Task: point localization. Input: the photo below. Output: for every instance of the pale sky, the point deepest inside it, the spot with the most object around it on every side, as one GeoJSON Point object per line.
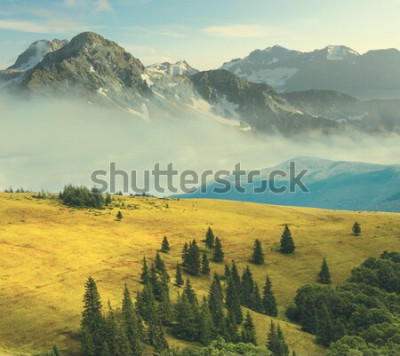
{"type": "Point", "coordinates": [206, 33]}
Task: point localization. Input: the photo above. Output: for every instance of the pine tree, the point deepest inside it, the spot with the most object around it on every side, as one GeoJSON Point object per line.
{"type": "Point", "coordinates": [227, 272]}
{"type": "Point", "coordinates": [256, 300]}
{"type": "Point", "coordinates": [235, 276]}
{"type": "Point", "coordinates": [108, 199]}
{"type": "Point", "coordinates": [119, 215]}
{"type": "Point", "coordinates": [205, 324]}
{"type": "Point", "coordinates": [157, 336]}
{"type": "Point", "coordinates": [269, 301]}
{"type": "Point", "coordinates": [178, 276]}
{"type": "Point", "coordinates": [272, 340]}
{"type": "Point", "coordinates": [247, 288]}
{"type": "Point", "coordinates": [232, 301]}
{"type": "Point", "coordinates": [283, 348]}
{"type": "Point", "coordinates": [248, 334]}
{"type": "Point", "coordinates": [131, 324]}
{"type": "Point", "coordinates": [287, 244]}
{"type": "Point", "coordinates": [145, 303]}
{"type": "Point", "coordinates": [144, 277]}
{"type": "Point", "coordinates": [160, 266]}
{"type": "Point", "coordinates": [165, 245]}
{"type": "Point", "coordinates": [190, 293]}
{"type": "Point", "coordinates": [230, 333]}
{"type": "Point", "coordinates": [218, 255]}
{"type": "Point", "coordinates": [356, 229]}
{"type": "Point", "coordinates": [185, 253]}
{"type": "Point", "coordinates": [258, 255]}
{"type": "Point", "coordinates": [116, 336]}
{"type": "Point", "coordinates": [192, 263]}
{"type": "Point", "coordinates": [92, 322]}
{"type": "Point", "coordinates": [205, 264]}
{"type": "Point", "coordinates": [215, 303]}
{"type": "Point", "coordinates": [308, 315]}
{"type": "Point", "coordinates": [186, 323]}
{"type": "Point", "coordinates": [210, 238]}
{"type": "Point", "coordinates": [324, 276]}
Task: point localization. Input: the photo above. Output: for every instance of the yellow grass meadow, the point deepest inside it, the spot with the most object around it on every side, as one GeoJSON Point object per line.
{"type": "Point", "coordinates": [48, 250]}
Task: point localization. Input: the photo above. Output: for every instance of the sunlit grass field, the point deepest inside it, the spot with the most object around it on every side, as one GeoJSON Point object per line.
{"type": "Point", "coordinates": [47, 251]}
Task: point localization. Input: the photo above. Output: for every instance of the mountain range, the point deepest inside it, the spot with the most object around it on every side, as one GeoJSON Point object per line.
{"type": "Point", "coordinates": [375, 74]}
{"type": "Point", "coordinates": [98, 71]}
{"type": "Point", "coordinates": [330, 184]}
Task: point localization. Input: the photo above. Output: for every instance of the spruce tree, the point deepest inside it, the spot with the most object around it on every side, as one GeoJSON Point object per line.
{"type": "Point", "coordinates": [165, 245]}
{"type": "Point", "coordinates": [210, 238]}
{"type": "Point", "coordinates": [119, 215]}
{"type": "Point", "coordinates": [215, 303]}
{"type": "Point", "coordinates": [256, 300]}
{"type": "Point", "coordinates": [287, 244]}
{"type": "Point", "coordinates": [356, 229]}
{"type": "Point", "coordinates": [205, 324]}
{"type": "Point", "coordinates": [185, 253]}
{"type": "Point", "coordinates": [272, 340]}
{"type": "Point", "coordinates": [193, 263]}
{"type": "Point", "coordinates": [186, 319]}
{"type": "Point", "coordinates": [258, 255]}
{"type": "Point", "coordinates": [205, 264]}
{"type": "Point", "coordinates": [247, 288]}
{"type": "Point", "coordinates": [248, 334]}
{"type": "Point", "coordinates": [145, 303]}
{"type": "Point", "coordinates": [283, 349]}
{"type": "Point", "coordinates": [235, 276]}
{"type": "Point", "coordinates": [227, 272]}
{"type": "Point", "coordinates": [131, 322]}
{"type": "Point", "coordinates": [308, 315]}
{"type": "Point", "coordinates": [232, 301]}
{"type": "Point", "coordinates": [92, 322]}
{"type": "Point", "coordinates": [230, 333]}
{"type": "Point", "coordinates": [144, 277]}
{"type": "Point", "coordinates": [269, 301]}
{"type": "Point", "coordinates": [190, 293]}
{"type": "Point", "coordinates": [178, 276]}
{"type": "Point", "coordinates": [157, 336]}
{"type": "Point", "coordinates": [160, 266]}
{"type": "Point", "coordinates": [218, 255]}
{"type": "Point", "coordinates": [324, 276]}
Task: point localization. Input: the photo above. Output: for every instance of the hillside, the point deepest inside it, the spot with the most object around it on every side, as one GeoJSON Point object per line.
{"type": "Point", "coordinates": [49, 250]}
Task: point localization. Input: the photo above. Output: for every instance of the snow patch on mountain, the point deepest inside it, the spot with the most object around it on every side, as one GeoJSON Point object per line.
{"type": "Point", "coordinates": [178, 68]}
{"type": "Point", "coordinates": [338, 53]}
{"type": "Point", "coordinates": [276, 77]}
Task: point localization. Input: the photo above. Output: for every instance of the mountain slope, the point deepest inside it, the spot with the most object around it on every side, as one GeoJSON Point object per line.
{"type": "Point", "coordinates": [49, 250]}
{"type": "Point", "coordinates": [178, 68]}
{"type": "Point", "coordinates": [330, 184]}
{"type": "Point", "coordinates": [375, 74]}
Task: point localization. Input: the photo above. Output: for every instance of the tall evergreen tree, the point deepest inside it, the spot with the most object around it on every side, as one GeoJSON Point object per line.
{"type": "Point", "coordinates": [247, 288]}
{"type": "Point", "coordinates": [356, 229]}
{"type": "Point", "coordinates": [131, 322]}
{"type": "Point", "coordinates": [215, 303]}
{"type": "Point", "coordinates": [227, 272]}
{"type": "Point", "coordinates": [190, 293]}
{"type": "Point", "coordinates": [248, 334]}
{"type": "Point", "coordinates": [144, 277]}
{"type": "Point", "coordinates": [256, 300]}
{"type": "Point", "coordinates": [160, 266]}
{"type": "Point", "coordinates": [186, 323]}
{"type": "Point", "coordinates": [218, 255]}
{"type": "Point", "coordinates": [185, 252]}
{"type": "Point", "coordinates": [287, 244]}
{"type": "Point", "coordinates": [258, 254]}
{"type": "Point", "coordinates": [272, 340]}
{"type": "Point", "coordinates": [210, 238]}
{"type": "Point", "coordinates": [269, 301]}
{"type": "Point", "coordinates": [145, 303]}
{"type": "Point", "coordinates": [118, 340]}
{"type": "Point", "coordinates": [232, 301]}
{"type": "Point", "coordinates": [92, 323]}
{"type": "Point", "coordinates": [205, 324]}
{"type": "Point", "coordinates": [157, 336]}
{"type": "Point", "coordinates": [283, 348]}
{"type": "Point", "coordinates": [235, 276]}
{"type": "Point", "coordinates": [205, 264]}
{"type": "Point", "coordinates": [324, 276]}
{"type": "Point", "coordinates": [165, 245]}
{"type": "Point", "coordinates": [191, 256]}
{"type": "Point", "coordinates": [230, 333]}
{"type": "Point", "coordinates": [308, 316]}
{"type": "Point", "coordinates": [178, 276]}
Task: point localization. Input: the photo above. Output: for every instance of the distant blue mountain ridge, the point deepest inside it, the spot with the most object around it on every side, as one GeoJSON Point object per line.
{"type": "Point", "coordinates": [330, 184]}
